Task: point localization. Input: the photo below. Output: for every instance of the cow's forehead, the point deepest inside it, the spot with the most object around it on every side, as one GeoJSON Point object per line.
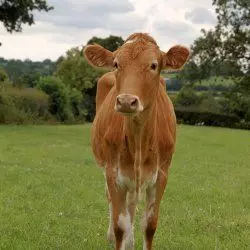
{"type": "Point", "coordinates": [143, 36]}
{"type": "Point", "coordinates": [135, 48]}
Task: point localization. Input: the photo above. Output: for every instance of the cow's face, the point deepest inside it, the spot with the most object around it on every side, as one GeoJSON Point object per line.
{"type": "Point", "coordinates": [137, 65]}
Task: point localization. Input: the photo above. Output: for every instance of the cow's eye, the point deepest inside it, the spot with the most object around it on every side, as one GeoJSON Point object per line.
{"type": "Point", "coordinates": [154, 66]}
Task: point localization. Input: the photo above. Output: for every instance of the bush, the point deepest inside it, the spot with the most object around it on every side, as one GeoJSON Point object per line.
{"type": "Point", "coordinates": [59, 104]}
{"type": "Point", "coordinates": [187, 97]}
{"type": "Point", "coordinates": [195, 116]}
{"type": "Point", "coordinates": [23, 105]}
{"type": "Point", "coordinates": [76, 102]}
{"type": "Point", "coordinates": [209, 103]}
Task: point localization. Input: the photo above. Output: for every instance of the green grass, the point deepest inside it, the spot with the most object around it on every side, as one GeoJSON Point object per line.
{"type": "Point", "coordinates": [52, 193]}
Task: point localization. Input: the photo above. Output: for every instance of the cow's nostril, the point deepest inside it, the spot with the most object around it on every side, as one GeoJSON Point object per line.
{"type": "Point", "coordinates": [134, 103]}
{"type": "Point", "coordinates": [118, 102]}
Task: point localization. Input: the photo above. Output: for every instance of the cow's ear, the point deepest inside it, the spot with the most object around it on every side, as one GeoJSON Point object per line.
{"type": "Point", "coordinates": [98, 56]}
{"type": "Point", "coordinates": [176, 57]}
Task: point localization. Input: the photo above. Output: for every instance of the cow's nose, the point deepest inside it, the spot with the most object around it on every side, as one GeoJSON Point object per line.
{"type": "Point", "coordinates": [126, 103]}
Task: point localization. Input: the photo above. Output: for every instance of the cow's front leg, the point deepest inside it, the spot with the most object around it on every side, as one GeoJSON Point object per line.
{"type": "Point", "coordinates": [119, 214]}
{"type": "Point", "coordinates": [110, 233]}
{"type": "Point", "coordinates": [131, 205]}
{"type": "Point", "coordinates": [153, 198]}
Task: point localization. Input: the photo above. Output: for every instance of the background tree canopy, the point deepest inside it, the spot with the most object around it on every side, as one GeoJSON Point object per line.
{"type": "Point", "coordinates": [14, 13]}
{"type": "Point", "coordinates": [111, 43]}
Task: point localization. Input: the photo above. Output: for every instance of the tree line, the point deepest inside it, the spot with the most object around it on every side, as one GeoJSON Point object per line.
{"type": "Point", "coordinates": [61, 91]}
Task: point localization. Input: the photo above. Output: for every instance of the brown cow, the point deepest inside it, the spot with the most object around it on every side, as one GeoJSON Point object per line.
{"type": "Point", "coordinates": [134, 131]}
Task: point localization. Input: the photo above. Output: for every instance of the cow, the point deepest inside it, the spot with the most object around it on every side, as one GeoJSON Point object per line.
{"type": "Point", "coordinates": [133, 134]}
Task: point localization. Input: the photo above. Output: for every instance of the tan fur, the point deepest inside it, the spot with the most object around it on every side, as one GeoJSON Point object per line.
{"type": "Point", "coordinates": [136, 146]}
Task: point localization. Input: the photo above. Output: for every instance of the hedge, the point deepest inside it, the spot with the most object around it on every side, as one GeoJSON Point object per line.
{"type": "Point", "coordinates": [198, 117]}
{"type": "Point", "coordinates": [19, 106]}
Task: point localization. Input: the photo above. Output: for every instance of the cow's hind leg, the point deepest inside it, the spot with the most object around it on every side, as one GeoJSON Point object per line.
{"type": "Point", "coordinates": [153, 198]}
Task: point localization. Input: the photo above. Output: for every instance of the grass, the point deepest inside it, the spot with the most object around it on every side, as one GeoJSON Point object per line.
{"type": "Point", "coordinates": [52, 193]}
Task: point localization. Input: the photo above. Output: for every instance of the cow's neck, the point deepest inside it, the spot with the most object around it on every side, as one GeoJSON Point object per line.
{"type": "Point", "coordinates": [139, 130]}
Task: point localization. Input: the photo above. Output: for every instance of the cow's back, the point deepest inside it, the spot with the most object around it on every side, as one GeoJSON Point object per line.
{"type": "Point", "coordinates": [104, 85]}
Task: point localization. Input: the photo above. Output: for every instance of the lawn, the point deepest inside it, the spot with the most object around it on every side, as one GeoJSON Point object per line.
{"type": "Point", "coordinates": [52, 193]}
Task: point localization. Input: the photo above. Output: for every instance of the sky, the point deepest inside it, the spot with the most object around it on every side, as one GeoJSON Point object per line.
{"type": "Point", "coordinates": [73, 22]}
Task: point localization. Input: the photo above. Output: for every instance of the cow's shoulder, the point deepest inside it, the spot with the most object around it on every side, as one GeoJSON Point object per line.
{"type": "Point", "coordinates": [107, 79]}
{"type": "Point", "coordinates": [104, 85]}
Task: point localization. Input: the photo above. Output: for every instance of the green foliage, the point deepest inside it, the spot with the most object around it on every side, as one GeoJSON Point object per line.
{"type": "Point", "coordinates": [59, 97]}
{"type": "Point", "coordinates": [23, 105]}
{"type": "Point", "coordinates": [26, 73]}
{"type": "Point", "coordinates": [187, 96]}
{"type": "Point", "coordinates": [3, 76]}
{"type": "Point", "coordinates": [29, 79]}
{"type": "Point", "coordinates": [76, 73]}
{"type": "Point", "coordinates": [195, 116]}
{"type": "Point", "coordinates": [209, 103]}
{"type": "Point", "coordinates": [111, 43]}
{"type": "Point", "coordinates": [237, 100]}
{"type": "Point", "coordinates": [76, 102]}
{"type": "Point", "coordinates": [14, 13]}
{"type": "Point", "coordinates": [223, 51]}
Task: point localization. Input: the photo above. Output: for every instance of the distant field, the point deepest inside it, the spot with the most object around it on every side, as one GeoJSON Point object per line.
{"type": "Point", "coordinates": [52, 193]}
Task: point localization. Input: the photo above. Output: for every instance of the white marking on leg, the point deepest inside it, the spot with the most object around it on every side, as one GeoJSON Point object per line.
{"type": "Point", "coordinates": [125, 224]}
{"type": "Point", "coordinates": [151, 195]}
{"type": "Point", "coordinates": [110, 234]}
{"type": "Point", "coordinates": [145, 243]}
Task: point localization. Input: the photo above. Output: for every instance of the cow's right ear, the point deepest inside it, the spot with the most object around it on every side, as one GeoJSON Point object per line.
{"type": "Point", "coordinates": [98, 56]}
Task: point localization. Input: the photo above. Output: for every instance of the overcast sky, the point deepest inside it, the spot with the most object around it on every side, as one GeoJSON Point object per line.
{"type": "Point", "coordinates": [73, 22]}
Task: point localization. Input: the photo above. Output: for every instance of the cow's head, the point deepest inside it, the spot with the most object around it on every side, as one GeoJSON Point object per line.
{"type": "Point", "coordinates": [137, 65]}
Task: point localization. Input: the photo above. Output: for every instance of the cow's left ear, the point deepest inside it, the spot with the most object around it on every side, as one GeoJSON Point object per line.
{"type": "Point", "coordinates": [176, 57]}
{"type": "Point", "coordinates": [98, 56]}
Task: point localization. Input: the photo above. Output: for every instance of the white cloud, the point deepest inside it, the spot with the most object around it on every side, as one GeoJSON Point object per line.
{"type": "Point", "coordinates": [201, 15]}
{"type": "Point", "coordinates": [74, 22]}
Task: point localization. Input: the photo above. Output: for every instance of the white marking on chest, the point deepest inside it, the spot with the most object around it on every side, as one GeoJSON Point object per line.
{"type": "Point", "coordinates": [125, 225]}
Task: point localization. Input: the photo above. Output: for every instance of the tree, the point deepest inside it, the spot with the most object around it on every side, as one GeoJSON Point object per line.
{"type": "Point", "coordinates": [59, 97]}
{"type": "Point", "coordinates": [26, 73]}
{"type": "Point", "coordinates": [224, 50]}
{"type": "Point", "coordinates": [3, 75]}
{"type": "Point", "coordinates": [111, 43]}
{"type": "Point", "coordinates": [75, 72]}
{"type": "Point", "coordinates": [237, 100]}
{"type": "Point", "coordinates": [187, 97]}
{"type": "Point", "coordinates": [14, 13]}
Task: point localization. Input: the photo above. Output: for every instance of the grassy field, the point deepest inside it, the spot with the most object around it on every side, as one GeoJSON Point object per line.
{"type": "Point", "coordinates": [52, 193]}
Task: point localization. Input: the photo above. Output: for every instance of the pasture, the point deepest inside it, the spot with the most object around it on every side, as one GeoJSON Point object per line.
{"type": "Point", "coordinates": [52, 193]}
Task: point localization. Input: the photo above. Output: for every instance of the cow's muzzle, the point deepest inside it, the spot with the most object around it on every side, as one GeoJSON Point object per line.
{"type": "Point", "coordinates": [128, 104]}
